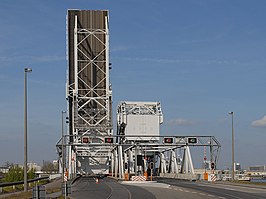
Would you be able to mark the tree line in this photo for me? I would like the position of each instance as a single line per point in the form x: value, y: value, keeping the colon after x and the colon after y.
x: 16, y: 173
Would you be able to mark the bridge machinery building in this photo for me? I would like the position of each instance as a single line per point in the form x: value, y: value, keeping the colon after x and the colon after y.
x: 141, y: 150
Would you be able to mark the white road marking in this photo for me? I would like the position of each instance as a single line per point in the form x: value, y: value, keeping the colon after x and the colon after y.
x: 230, y: 189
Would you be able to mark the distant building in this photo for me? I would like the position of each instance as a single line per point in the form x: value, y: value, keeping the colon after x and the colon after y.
x: 32, y: 165
x: 55, y: 162
x: 4, y: 169
x: 237, y: 166
x: 259, y: 168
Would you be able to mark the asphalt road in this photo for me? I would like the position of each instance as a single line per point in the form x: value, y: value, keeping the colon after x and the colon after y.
x: 86, y: 187
x: 219, y: 190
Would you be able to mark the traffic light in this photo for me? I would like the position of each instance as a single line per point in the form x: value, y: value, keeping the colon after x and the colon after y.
x: 168, y: 140
x: 126, y: 166
x: 85, y: 140
x: 192, y: 140
x: 139, y: 160
x: 108, y: 140
x: 212, y: 165
x: 151, y: 165
x: 122, y: 129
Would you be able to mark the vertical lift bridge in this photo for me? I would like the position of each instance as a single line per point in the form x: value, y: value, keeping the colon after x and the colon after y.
x: 89, y: 96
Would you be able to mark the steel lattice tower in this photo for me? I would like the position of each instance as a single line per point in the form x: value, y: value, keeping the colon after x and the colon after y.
x: 89, y: 92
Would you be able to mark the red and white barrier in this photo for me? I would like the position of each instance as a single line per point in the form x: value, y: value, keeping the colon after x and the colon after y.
x: 138, y: 178
x: 212, y: 178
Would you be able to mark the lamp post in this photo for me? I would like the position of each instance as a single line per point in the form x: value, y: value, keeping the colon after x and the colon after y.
x: 63, y: 154
x: 233, y: 147
x: 26, y: 71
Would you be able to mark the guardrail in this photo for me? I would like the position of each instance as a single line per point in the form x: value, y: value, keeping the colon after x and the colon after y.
x: 9, y: 184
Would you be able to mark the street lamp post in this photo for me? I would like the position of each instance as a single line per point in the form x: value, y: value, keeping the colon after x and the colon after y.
x: 233, y: 147
x: 63, y: 154
x: 26, y: 70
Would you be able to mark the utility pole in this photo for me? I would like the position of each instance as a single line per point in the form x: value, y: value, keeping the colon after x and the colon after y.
x: 233, y: 147
x: 26, y: 70
x: 63, y: 154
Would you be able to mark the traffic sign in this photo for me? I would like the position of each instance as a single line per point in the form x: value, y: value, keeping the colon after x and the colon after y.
x: 168, y: 140
x: 108, y: 140
x: 192, y: 140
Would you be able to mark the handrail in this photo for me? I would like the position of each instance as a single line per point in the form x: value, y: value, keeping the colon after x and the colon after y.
x: 6, y: 184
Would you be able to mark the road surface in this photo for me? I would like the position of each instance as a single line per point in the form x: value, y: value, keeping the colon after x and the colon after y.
x: 107, y: 188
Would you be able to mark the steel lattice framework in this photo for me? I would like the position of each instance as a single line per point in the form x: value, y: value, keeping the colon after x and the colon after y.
x: 88, y: 88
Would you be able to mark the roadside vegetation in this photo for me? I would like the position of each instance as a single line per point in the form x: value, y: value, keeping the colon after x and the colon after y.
x: 16, y: 174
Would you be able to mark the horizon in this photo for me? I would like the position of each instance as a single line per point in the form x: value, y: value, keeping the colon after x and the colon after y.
x: 201, y: 60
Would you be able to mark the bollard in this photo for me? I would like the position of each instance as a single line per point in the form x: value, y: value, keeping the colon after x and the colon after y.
x: 38, y: 192
x: 146, y: 175
x: 126, y: 176
x: 66, y: 188
x: 205, y: 176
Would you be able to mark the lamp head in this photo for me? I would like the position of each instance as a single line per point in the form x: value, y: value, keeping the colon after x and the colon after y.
x: 28, y: 70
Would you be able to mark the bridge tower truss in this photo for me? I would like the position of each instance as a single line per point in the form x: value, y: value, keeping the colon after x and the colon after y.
x: 89, y: 92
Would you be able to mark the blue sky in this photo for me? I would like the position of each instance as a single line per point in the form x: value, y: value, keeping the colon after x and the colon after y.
x: 200, y: 59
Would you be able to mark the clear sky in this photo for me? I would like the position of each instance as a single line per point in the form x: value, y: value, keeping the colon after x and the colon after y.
x: 200, y: 59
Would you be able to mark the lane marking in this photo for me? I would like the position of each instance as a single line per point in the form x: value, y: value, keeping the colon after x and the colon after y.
x: 129, y: 193
x: 110, y: 195
x: 218, y: 185
x: 226, y: 187
x: 230, y: 189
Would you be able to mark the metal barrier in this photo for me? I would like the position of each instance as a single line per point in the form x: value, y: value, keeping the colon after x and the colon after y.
x: 9, y: 184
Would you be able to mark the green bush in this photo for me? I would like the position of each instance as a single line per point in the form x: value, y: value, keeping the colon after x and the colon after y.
x: 16, y: 173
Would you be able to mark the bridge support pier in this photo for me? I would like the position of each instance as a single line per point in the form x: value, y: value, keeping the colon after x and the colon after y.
x: 116, y: 163
x: 112, y: 164
x: 187, y: 164
x: 163, y: 163
x: 173, y: 162
x: 121, y: 162
x: 130, y: 162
